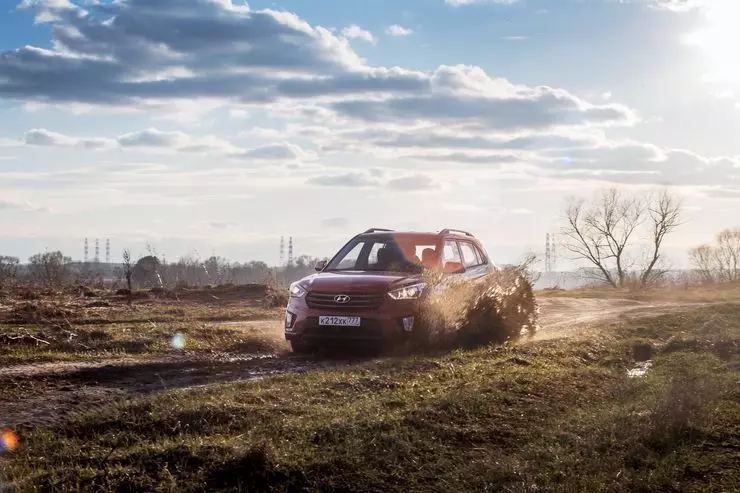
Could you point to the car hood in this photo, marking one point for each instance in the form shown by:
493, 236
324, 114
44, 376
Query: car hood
354, 281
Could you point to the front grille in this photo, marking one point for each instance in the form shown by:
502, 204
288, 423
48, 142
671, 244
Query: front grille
357, 301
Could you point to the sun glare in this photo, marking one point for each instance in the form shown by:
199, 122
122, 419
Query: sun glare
720, 39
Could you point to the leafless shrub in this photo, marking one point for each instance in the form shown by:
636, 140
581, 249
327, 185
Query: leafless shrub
50, 269
8, 270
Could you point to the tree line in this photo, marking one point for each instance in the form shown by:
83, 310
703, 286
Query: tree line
619, 236
54, 269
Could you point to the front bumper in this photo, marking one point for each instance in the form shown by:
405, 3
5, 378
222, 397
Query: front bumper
382, 324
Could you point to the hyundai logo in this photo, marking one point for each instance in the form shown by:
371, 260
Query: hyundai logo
342, 299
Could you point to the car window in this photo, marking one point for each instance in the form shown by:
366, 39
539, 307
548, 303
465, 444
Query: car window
379, 255
350, 260
372, 258
470, 259
481, 255
450, 252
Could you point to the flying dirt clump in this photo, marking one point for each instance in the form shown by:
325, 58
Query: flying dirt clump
498, 309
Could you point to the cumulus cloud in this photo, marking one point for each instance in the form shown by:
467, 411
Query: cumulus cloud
152, 137
46, 138
635, 162
465, 95
356, 32
43, 137
397, 30
175, 141
133, 53
282, 151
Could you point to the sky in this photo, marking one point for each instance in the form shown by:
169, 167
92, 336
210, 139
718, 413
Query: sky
214, 127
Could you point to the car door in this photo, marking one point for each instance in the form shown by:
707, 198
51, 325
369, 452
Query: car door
475, 269
489, 266
451, 254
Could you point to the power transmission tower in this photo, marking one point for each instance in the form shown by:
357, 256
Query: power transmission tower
86, 250
107, 251
553, 253
290, 251
97, 250
282, 250
548, 254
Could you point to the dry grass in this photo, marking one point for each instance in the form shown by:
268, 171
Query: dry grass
39, 326
558, 416
696, 293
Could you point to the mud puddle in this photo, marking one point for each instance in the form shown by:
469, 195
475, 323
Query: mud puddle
42, 395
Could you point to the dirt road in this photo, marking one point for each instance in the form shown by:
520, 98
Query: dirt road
44, 394
569, 317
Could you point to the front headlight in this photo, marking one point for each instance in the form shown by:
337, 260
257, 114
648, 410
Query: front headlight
297, 291
412, 292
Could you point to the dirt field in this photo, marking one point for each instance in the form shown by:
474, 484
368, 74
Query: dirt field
173, 395
233, 336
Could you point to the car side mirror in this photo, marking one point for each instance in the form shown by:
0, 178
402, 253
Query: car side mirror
320, 265
454, 268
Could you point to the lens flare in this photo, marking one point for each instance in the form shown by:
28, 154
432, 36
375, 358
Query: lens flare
8, 441
178, 341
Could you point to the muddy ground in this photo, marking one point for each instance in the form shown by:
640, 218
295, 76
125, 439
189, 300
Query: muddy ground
44, 394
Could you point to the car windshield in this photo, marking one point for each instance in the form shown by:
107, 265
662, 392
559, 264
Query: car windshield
388, 254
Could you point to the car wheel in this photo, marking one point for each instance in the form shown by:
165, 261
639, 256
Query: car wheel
300, 347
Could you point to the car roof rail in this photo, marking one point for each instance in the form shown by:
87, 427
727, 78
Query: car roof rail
373, 230
451, 230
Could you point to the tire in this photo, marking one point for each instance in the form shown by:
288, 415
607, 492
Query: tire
301, 348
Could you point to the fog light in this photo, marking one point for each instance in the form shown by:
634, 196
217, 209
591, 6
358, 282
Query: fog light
289, 320
408, 324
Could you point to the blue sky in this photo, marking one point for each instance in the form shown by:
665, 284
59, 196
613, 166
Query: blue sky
210, 126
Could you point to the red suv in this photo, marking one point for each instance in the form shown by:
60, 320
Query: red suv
371, 291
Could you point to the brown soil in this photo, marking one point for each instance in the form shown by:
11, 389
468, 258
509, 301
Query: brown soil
41, 394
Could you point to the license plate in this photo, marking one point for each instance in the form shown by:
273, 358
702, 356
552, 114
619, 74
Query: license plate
340, 321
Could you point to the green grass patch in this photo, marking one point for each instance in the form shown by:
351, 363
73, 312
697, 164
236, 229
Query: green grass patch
549, 416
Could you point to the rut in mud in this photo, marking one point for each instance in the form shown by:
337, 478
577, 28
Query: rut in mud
44, 394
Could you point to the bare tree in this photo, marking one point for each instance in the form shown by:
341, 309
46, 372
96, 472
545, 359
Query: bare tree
703, 259
727, 254
128, 270
604, 233
664, 213
50, 268
721, 261
8, 270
